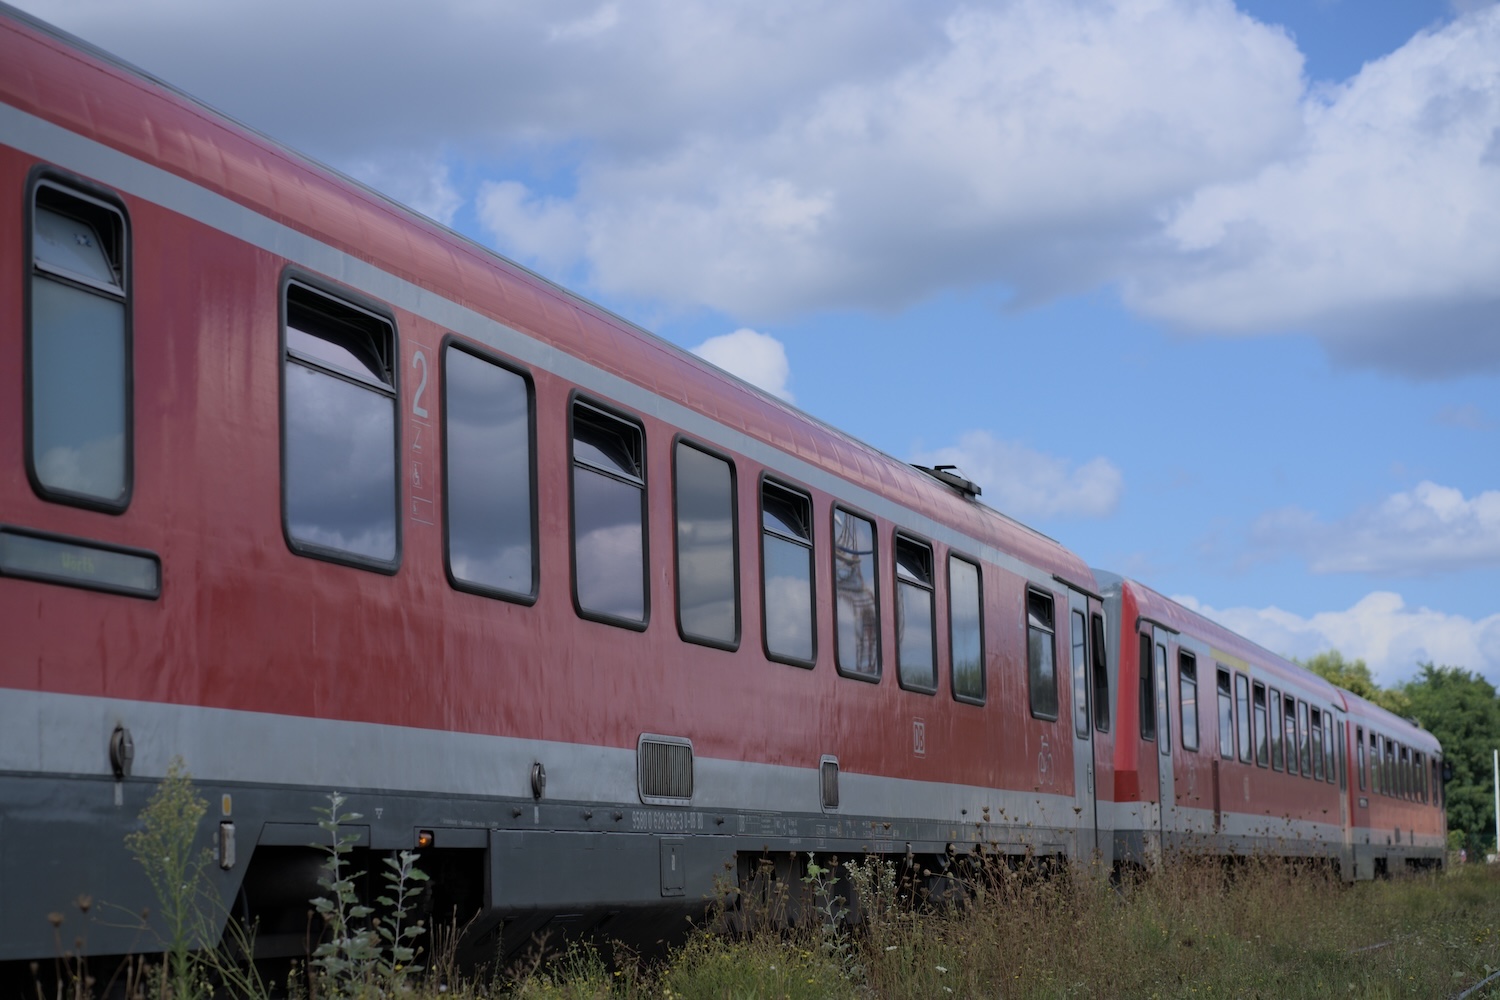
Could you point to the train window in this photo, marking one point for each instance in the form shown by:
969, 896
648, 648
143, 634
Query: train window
1262, 729
1388, 778
1405, 773
1359, 754
1242, 717
1147, 692
1041, 656
787, 573
609, 517
1289, 726
489, 487
1226, 716
1376, 784
1341, 732
1187, 698
1317, 744
1080, 674
916, 653
1278, 747
78, 377
857, 595
966, 630
1304, 736
1420, 770
339, 485
708, 606
1330, 748
1164, 706
1101, 675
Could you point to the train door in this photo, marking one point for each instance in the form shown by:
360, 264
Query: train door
1346, 850
1167, 811
1085, 771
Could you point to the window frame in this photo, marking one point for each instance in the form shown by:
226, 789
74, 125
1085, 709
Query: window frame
103, 200
353, 302
1189, 661
680, 441
1078, 660
874, 675
810, 544
1146, 685
1260, 730
577, 400
1277, 725
967, 699
451, 342
914, 544
1224, 696
1049, 630
1100, 659
1244, 733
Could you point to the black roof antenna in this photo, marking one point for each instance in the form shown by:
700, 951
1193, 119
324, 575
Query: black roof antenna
945, 475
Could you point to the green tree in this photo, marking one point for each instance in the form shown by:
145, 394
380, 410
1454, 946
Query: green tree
1354, 676
1461, 709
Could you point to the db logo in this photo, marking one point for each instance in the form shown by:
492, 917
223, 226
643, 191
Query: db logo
919, 737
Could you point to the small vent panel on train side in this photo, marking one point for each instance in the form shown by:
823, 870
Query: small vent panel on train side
664, 768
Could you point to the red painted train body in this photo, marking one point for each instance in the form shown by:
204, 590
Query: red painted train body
316, 495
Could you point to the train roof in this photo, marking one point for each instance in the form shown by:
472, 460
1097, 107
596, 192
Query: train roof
1390, 724
1227, 645
147, 118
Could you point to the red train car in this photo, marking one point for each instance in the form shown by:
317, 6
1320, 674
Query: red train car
316, 495
1397, 814
1234, 749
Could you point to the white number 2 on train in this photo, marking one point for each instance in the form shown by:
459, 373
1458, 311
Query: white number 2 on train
419, 361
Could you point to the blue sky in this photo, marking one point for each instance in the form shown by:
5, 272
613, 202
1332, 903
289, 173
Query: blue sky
1210, 293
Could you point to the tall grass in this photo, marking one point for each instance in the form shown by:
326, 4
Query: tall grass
1198, 928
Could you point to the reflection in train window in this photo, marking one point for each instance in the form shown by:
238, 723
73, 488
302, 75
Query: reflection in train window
856, 595
78, 351
1242, 716
1317, 744
1078, 636
1262, 729
1359, 755
1278, 747
1041, 655
1226, 715
787, 573
339, 438
489, 513
609, 517
1187, 698
916, 655
708, 607
1305, 736
966, 630
1289, 711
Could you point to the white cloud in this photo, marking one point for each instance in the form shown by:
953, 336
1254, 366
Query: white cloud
543, 231
758, 358
1380, 232
1430, 529
1028, 484
770, 157
1027, 148
1380, 629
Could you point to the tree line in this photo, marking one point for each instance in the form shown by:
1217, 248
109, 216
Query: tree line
1461, 709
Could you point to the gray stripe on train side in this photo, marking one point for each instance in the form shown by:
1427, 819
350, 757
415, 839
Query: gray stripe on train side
43, 733
123, 172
